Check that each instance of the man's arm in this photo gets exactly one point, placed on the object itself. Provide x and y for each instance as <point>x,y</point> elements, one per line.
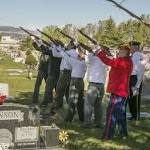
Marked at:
<point>110,61</point>
<point>140,74</point>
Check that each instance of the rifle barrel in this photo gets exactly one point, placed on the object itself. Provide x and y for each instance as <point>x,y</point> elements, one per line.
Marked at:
<point>55,41</point>
<point>38,38</point>
<point>93,41</point>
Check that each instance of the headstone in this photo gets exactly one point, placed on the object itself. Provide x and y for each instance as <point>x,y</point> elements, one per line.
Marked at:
<point>19,126</point>
<point>4,89</point>
<point>49,135</point>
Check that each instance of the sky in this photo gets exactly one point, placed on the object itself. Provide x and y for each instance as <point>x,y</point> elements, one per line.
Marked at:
<point>39,13</point>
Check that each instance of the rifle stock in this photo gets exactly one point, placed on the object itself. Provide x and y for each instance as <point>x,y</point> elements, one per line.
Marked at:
<point>31,34</point>
<point>55,41</point>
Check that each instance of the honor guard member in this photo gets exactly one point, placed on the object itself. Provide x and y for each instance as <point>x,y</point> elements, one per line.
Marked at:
<point>53,74</point>
<point>63,83</point>
<point>96,78</point>
<point>42,73</point>
<point>118,86</point>
<point>136,80</point>
<point>76,89</point>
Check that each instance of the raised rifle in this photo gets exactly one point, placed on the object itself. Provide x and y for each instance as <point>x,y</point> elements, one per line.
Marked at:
<point>95,42</point>
<point>92,40</point>
<point>55,41</point>
<point>80,43</point>
<point>38,38</point>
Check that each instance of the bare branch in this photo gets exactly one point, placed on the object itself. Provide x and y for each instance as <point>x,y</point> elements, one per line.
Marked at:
<point>129,12</point>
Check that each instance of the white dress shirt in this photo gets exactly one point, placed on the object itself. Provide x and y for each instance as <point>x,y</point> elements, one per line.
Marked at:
<point>97,70</point>
<point>138,67</point>
<point>78,66</point>
<point>64,64</point>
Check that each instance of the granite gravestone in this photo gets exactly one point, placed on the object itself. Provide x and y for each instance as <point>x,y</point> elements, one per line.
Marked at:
<point>19,126</point>
<point>49,135</point>
<point>4,91</point>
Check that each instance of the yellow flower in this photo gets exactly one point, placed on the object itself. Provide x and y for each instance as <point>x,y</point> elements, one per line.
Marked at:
<point>63,136</point>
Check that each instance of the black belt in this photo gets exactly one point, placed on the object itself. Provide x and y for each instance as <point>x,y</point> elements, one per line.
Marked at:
<point>96,83</point>
<point>66,71</point>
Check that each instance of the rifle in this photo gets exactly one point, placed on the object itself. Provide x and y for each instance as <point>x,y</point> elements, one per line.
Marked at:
<point>80,43</point>
<point>55,41</point>
<point>95,42</point>
<point>92,40</point>
<point>38,38</point>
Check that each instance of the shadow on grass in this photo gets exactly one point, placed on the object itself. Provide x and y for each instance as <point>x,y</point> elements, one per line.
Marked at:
<point>25,98</point>
<point>90,139</point>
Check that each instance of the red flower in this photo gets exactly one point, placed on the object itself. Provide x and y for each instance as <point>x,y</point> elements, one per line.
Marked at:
<point>2,99</point>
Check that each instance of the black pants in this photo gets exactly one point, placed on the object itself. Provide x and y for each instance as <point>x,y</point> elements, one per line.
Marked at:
<point>51,83</point>
<point>62,87</point>
<point>134,101</point>
<point>40,76</point>
<point>75,99</point>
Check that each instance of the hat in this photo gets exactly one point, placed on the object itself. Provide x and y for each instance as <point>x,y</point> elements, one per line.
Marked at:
<point>134,43</point>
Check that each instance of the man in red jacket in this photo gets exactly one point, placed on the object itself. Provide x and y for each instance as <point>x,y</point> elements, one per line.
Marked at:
<point>118,86</point>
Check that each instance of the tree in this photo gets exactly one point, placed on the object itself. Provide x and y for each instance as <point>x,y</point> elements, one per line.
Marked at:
<point>108,33</point>
<point>26,44</point>
<point>31,63</point>
<point>51,30</point>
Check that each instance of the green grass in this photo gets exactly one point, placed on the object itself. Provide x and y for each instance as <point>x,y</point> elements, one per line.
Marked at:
<point>79,139</point>
<point>18,85</point>
<point>7,63</point>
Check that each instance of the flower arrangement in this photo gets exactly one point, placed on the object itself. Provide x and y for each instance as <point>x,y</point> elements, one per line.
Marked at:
<point>2,99</point>
<point>63,137</point>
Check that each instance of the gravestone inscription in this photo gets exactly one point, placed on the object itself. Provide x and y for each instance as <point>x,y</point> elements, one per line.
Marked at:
<point>19,126</point>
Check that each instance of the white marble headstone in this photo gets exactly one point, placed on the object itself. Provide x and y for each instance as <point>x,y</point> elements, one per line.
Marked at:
<point>4,90</point>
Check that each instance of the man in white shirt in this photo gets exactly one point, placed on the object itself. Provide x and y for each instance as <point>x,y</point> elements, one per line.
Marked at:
<point>76,89</point>
<point>136,81</point>
<point>96,77</point>
<point>63,83</point>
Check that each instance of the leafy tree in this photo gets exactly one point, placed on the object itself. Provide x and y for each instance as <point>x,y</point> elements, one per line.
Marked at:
<point>31,63</point>
<point>108,33</point>
<point>51,30</point>
<point>26,44</point>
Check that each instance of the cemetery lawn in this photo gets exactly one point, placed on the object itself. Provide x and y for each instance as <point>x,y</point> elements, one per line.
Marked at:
<point>79,139</point>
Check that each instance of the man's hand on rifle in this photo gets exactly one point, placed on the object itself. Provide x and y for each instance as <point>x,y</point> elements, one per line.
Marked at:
<point>106,50</point>
<point>33,38</point>
<point>59,48</point>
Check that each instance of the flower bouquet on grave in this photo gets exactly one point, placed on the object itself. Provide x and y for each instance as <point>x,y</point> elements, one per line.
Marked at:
<point>2,99</point>
<point>63,138</point>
